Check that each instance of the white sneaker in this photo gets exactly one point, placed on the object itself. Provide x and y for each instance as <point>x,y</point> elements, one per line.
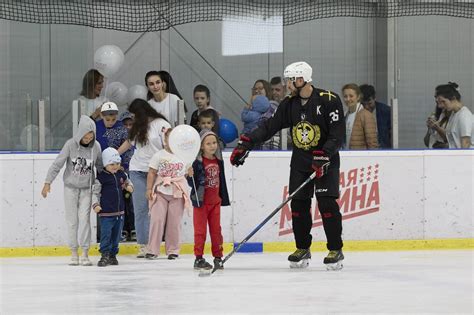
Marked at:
<point>85,261</point>
<point>141,251</point>
<point>74,261</point>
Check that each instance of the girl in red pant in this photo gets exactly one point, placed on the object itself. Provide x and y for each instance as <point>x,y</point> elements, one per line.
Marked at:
<point>210,194</point>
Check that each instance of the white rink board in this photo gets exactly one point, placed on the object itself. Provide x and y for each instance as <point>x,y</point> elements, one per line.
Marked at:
<point>420,195</point>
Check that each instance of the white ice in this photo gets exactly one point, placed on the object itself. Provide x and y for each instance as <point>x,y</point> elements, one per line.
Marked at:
<point>371,282</point>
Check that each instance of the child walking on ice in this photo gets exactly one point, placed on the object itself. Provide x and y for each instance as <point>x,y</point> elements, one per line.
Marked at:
<point>168,196</point>
<point>109,203</point>
<point>81,154</point>
<point>211,193</point>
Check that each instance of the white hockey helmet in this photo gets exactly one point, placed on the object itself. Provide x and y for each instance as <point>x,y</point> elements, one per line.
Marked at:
<point>299,69</point>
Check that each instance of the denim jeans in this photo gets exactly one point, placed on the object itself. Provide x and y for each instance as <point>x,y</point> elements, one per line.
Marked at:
<point>140,206</point>
<point>111,230</point>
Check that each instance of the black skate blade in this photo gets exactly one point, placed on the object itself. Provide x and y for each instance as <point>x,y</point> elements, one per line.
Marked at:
<point>206,272</point>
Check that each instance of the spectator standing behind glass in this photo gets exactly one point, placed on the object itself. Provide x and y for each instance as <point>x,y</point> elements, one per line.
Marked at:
<point>361,129</point>
<point>171,87</point>
<point>278,89</point>
<point>202,99</point>
<point>163,102</point>
<point>92,85</point>
<point>459,130</point>
<point>435,137</point>
<point>147,136</point>
<point>279,92</point>
<point>262,87</point>
<point>168,196</point>
<point>382,114</point>
<point>81,154</point>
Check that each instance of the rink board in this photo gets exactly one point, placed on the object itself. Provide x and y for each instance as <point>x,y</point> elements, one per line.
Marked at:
<point>386,196</point>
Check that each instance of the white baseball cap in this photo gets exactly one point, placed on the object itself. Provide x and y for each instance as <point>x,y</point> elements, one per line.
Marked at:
<point>109,108</point>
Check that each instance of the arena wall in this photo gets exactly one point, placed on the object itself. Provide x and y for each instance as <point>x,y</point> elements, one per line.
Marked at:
<point>386,196</point>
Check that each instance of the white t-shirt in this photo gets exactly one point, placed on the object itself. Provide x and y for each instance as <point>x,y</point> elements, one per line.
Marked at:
<point>350,118</point>
<point>168,107</point>
<point>167,165</point>
<point>92,104</point>
<point>460,125</point>
<point>143,153</point>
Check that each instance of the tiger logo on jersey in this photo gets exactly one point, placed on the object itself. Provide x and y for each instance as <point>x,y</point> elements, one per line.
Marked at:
<point>306,135</point>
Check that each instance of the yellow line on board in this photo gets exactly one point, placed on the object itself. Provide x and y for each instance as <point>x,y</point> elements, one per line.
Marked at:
<point>380,245</point>
<point>124,249</point>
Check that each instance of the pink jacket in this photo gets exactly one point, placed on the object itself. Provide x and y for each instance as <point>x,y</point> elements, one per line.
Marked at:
<point>180,189</point>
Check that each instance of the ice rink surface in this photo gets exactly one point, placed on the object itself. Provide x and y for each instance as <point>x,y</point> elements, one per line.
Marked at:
<point>411,282</point>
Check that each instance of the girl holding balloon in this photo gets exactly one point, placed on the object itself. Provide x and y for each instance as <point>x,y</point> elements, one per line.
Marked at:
<point>168,196</point>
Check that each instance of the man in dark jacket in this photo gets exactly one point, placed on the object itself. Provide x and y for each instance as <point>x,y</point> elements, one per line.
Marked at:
<point>382,113</point>
<point>316,119</point>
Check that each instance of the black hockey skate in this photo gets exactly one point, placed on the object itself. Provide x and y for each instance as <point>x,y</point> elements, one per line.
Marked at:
<point>300,258</point>
<point>202,264</point>
<point>333,260</point>
<point>218,263</point>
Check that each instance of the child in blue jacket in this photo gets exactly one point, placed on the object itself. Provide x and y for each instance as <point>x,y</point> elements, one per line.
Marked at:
<point>108,202</point>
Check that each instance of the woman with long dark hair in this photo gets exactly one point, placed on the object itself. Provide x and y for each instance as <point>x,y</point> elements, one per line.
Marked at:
<point>160,97</point>
<point>147,135</point>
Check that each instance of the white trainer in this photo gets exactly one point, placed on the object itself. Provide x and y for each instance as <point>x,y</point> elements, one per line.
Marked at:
<point>141,251</point>
<point>84,261</point>
<point>74,261</point>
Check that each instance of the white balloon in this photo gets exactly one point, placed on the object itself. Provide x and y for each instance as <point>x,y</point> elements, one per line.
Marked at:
<point>137,91</point>
<point>184,141</point>
<point>116,92</point>
<point>108,59</point>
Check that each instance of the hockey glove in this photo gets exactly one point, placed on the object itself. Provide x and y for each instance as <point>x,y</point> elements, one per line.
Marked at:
<point>320,163</point>
<point>241,151</point>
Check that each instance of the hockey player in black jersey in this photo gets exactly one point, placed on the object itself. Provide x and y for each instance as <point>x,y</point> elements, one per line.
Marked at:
<point>316,119</point>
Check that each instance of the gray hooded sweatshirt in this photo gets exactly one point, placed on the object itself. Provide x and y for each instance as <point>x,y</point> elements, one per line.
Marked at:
<point>80,160</point>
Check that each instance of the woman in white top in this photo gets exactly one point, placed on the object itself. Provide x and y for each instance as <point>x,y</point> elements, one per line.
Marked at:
<point>459,130</point>
<point>147,135</point>
<point>162,101</point>
<point>92,85</point>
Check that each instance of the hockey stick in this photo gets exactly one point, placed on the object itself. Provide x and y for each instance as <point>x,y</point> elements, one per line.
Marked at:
<point>204,273</point>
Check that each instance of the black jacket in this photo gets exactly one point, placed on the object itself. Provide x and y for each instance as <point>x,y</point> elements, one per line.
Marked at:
<point>318,125</point>
<point>200,180</point>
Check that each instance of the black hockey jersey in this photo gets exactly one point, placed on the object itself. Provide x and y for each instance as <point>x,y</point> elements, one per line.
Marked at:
<point>317,125</point>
